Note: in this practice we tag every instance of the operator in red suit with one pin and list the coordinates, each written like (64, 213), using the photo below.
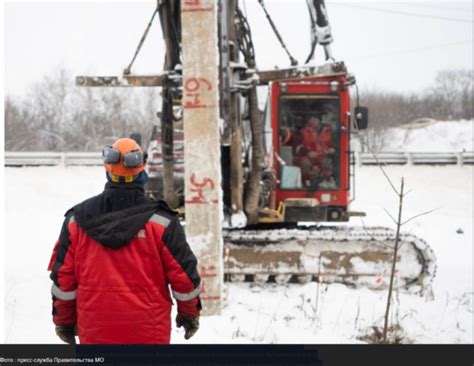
(116, 257)
(314, 151)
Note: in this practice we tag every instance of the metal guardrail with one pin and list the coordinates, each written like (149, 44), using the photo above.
(416, 158)
(18, 159)
(22, 158)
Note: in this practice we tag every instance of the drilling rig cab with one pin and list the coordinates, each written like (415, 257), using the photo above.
(310, 120)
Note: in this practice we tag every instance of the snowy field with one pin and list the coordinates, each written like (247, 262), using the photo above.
(36, 199)
(440, 136)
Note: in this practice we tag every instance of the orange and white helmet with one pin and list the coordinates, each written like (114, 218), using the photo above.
(124, 160)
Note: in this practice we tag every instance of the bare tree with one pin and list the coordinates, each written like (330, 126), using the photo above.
(453, 90)
(49, 105)
(16, 127)
(57, 116)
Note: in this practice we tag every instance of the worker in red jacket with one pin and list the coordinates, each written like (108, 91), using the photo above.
(115, 259)
(314, 153)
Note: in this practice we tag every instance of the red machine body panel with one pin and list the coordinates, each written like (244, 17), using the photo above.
(334, 89)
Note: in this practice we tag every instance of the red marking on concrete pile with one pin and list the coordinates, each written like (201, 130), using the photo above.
(198, 189)
(193, 92)
(193, 6)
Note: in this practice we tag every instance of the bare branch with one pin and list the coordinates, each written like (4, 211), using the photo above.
(380, 165)
(388, 213)
(421, 214)
(394, 262)
(373, 237)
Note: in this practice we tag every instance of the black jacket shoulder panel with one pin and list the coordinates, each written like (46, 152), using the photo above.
(174, 239)
(63, 246)
(115, 216)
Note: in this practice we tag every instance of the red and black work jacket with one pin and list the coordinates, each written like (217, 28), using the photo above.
(317, 141)
(112, 266)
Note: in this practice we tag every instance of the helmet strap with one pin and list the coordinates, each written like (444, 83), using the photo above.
(120, 179)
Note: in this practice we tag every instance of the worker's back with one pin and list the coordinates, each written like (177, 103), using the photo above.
(122, 294)
(116, 256)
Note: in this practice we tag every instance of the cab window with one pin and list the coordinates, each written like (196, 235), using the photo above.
(309, 142)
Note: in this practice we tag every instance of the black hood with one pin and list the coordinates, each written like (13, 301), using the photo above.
(115, 216)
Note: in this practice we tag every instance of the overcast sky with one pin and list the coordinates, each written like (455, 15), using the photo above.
(391, 45)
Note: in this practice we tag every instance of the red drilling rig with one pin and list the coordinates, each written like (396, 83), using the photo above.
(288, 164)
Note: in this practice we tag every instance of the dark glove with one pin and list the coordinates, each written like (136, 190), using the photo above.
(66, 333)
(190, 324)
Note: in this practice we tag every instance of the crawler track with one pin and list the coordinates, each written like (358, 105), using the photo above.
(356, 256)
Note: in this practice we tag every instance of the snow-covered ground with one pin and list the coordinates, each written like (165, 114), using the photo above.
(36, 199)
(440, 136)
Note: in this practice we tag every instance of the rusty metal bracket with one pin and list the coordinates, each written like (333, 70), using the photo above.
(328, 69)
(165, 79)
(174, 79)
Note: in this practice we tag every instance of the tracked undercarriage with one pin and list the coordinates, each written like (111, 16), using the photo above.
(356, 256)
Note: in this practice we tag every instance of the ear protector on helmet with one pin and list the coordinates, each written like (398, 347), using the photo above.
(131, 159)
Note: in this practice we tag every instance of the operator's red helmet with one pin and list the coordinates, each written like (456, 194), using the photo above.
(124, 160)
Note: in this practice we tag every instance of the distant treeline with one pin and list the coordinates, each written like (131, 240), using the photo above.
(449, 98)
(58, 116)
